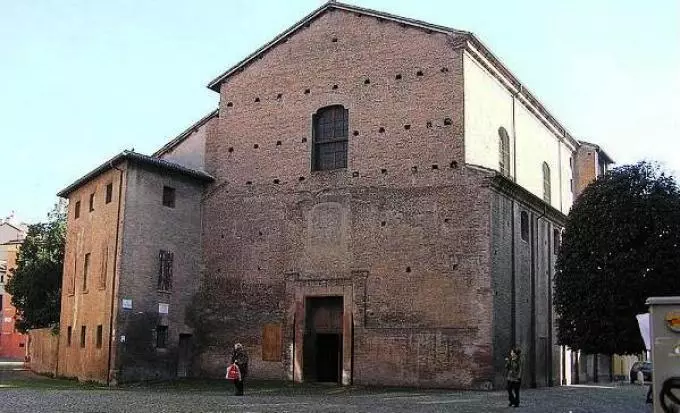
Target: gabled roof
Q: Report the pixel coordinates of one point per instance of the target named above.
(182, 136)
(464, 39)
(12, 225)
(215, 83)
(140, 159)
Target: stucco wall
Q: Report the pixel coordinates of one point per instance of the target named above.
(488, 106)
(42, 351)
(149, 227)
(191, 151)
(94, 233)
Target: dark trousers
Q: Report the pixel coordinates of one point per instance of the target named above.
(238, 387)
(513, 392)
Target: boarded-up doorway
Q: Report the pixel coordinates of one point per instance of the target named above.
(322, 351)
(184, 355)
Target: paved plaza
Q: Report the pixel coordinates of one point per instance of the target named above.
(22, 392)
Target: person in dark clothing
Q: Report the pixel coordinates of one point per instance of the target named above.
(240, 358)
(513, 374)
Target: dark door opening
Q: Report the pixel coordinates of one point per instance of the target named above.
(184, 355)
(322, 352)
(328, 357)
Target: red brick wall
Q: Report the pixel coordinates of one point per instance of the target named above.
(12, 342)
(406, 213)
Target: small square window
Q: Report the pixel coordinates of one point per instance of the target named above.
(82, 336)
(161, 336)
(76, 214)
(92, 202)
(99, 336)
(109, 192)
(169, 196)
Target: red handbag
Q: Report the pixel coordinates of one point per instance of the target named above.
(233, 372)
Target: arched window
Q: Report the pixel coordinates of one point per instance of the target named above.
(329, 138)
(546, 182)
(503, 151)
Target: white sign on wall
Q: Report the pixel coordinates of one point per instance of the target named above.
(8, 319)
(163, 308)
(127, 304)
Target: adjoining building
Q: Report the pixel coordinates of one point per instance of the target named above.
(132, 259)
(12, 342)
(377, 200)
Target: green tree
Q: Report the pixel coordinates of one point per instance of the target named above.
(620, 246)
(35, 285)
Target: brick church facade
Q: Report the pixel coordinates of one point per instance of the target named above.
(377, 200)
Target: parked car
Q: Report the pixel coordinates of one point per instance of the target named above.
(645, 367)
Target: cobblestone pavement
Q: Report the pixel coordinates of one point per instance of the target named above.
(622, 399)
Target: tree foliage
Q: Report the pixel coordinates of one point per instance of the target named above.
(620, 246)
(35, 285)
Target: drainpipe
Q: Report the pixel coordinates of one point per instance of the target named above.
(514, 141)
(513, 281)
(115, 273)
(534, 247)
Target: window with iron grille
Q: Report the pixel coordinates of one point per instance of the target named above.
(546, 182)
(165, 259)
(161, 336)
(330, 138)
(503, 151)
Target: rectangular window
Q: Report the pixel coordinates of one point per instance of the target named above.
(109, 192)
(524, 226)
(168, 196)
(86, 269)
(99, 336)
(76, 213)
(69, 333)
(165, 261)
(161, 336)
(82, 337)
(92, 202)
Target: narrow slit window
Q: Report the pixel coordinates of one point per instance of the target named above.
(99, 336)
(524, 225)
(82, 336)
(169, 196)
(109, 192)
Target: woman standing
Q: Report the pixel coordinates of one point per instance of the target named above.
(240, 358)
(513, 374)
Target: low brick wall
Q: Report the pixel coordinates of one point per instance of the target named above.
(42, 351)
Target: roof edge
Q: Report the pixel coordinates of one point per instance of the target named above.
(139, 158)
(216, 82)
(184, 135)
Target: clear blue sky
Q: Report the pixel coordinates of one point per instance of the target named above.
(81, 80)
